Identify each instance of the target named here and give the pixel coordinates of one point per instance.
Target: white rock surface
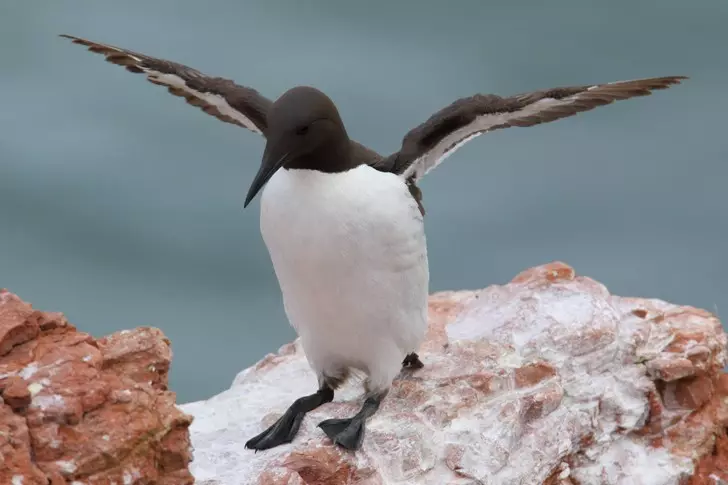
(546, 379)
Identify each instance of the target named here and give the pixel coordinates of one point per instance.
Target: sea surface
(121, 205)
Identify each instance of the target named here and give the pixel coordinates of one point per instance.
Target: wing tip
(620, 90)
(92, 46)
(668, 81)
(74, 39)
(653, 82)
(673, 79)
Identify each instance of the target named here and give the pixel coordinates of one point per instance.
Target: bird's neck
(330, 158)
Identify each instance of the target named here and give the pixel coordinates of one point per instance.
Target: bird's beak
(271, 162)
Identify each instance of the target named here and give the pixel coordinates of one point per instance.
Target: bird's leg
(412, 361)
(349, 432)
(285, 429)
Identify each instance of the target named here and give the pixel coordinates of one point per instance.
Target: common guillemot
(344, 225)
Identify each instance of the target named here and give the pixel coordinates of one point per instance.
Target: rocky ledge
(549, 379)
(80, 411)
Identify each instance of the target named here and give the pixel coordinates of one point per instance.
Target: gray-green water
(122, 206)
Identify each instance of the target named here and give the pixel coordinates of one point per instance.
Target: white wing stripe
(213, 99)
(212, 103)
(480, 125)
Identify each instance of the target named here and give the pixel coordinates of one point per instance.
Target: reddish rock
(547, 273)
(16, 393)
(713, 465)
(532, 374)
(655, 412)
(688, 393)
(541, 403)
(442, 310)
(16, 452)
(640, 313)
(669, 369)
(15, 326)
(325, 466)
(79, 410)
(144, 355)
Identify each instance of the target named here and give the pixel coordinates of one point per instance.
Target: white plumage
(350, 255)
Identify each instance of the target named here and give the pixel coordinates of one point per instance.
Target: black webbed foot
(285, 429)
(412, 361)
(349, 432)
(281, 432)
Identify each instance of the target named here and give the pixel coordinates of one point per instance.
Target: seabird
(344, 225)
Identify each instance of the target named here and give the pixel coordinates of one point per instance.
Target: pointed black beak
(268, 167)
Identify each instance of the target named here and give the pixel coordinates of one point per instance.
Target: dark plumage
(423, 147)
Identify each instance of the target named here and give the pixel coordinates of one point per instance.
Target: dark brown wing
(428, 144)
(221, 98)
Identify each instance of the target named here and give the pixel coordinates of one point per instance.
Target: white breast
(350, 255)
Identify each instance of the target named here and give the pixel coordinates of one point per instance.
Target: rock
(16, 393)
(549, 379)
(17, 324)
(75, 410)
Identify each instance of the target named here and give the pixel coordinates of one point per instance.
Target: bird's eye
(302, 130)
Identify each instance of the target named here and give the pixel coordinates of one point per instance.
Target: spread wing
(216, 96)
(428, 144)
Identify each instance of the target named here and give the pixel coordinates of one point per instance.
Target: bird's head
(304, 131)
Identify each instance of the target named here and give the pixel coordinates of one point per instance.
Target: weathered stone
(81, 411)
(533, 374)
(16, 393)
(15, 326)
(687, 393)
(15, 451)
(548, 379)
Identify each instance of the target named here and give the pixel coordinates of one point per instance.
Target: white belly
(350, 255)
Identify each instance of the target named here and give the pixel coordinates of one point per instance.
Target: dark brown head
(304, 131)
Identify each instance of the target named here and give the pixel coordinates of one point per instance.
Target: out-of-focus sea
(120, 205)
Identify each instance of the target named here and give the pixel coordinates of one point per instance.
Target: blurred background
(121, 206)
